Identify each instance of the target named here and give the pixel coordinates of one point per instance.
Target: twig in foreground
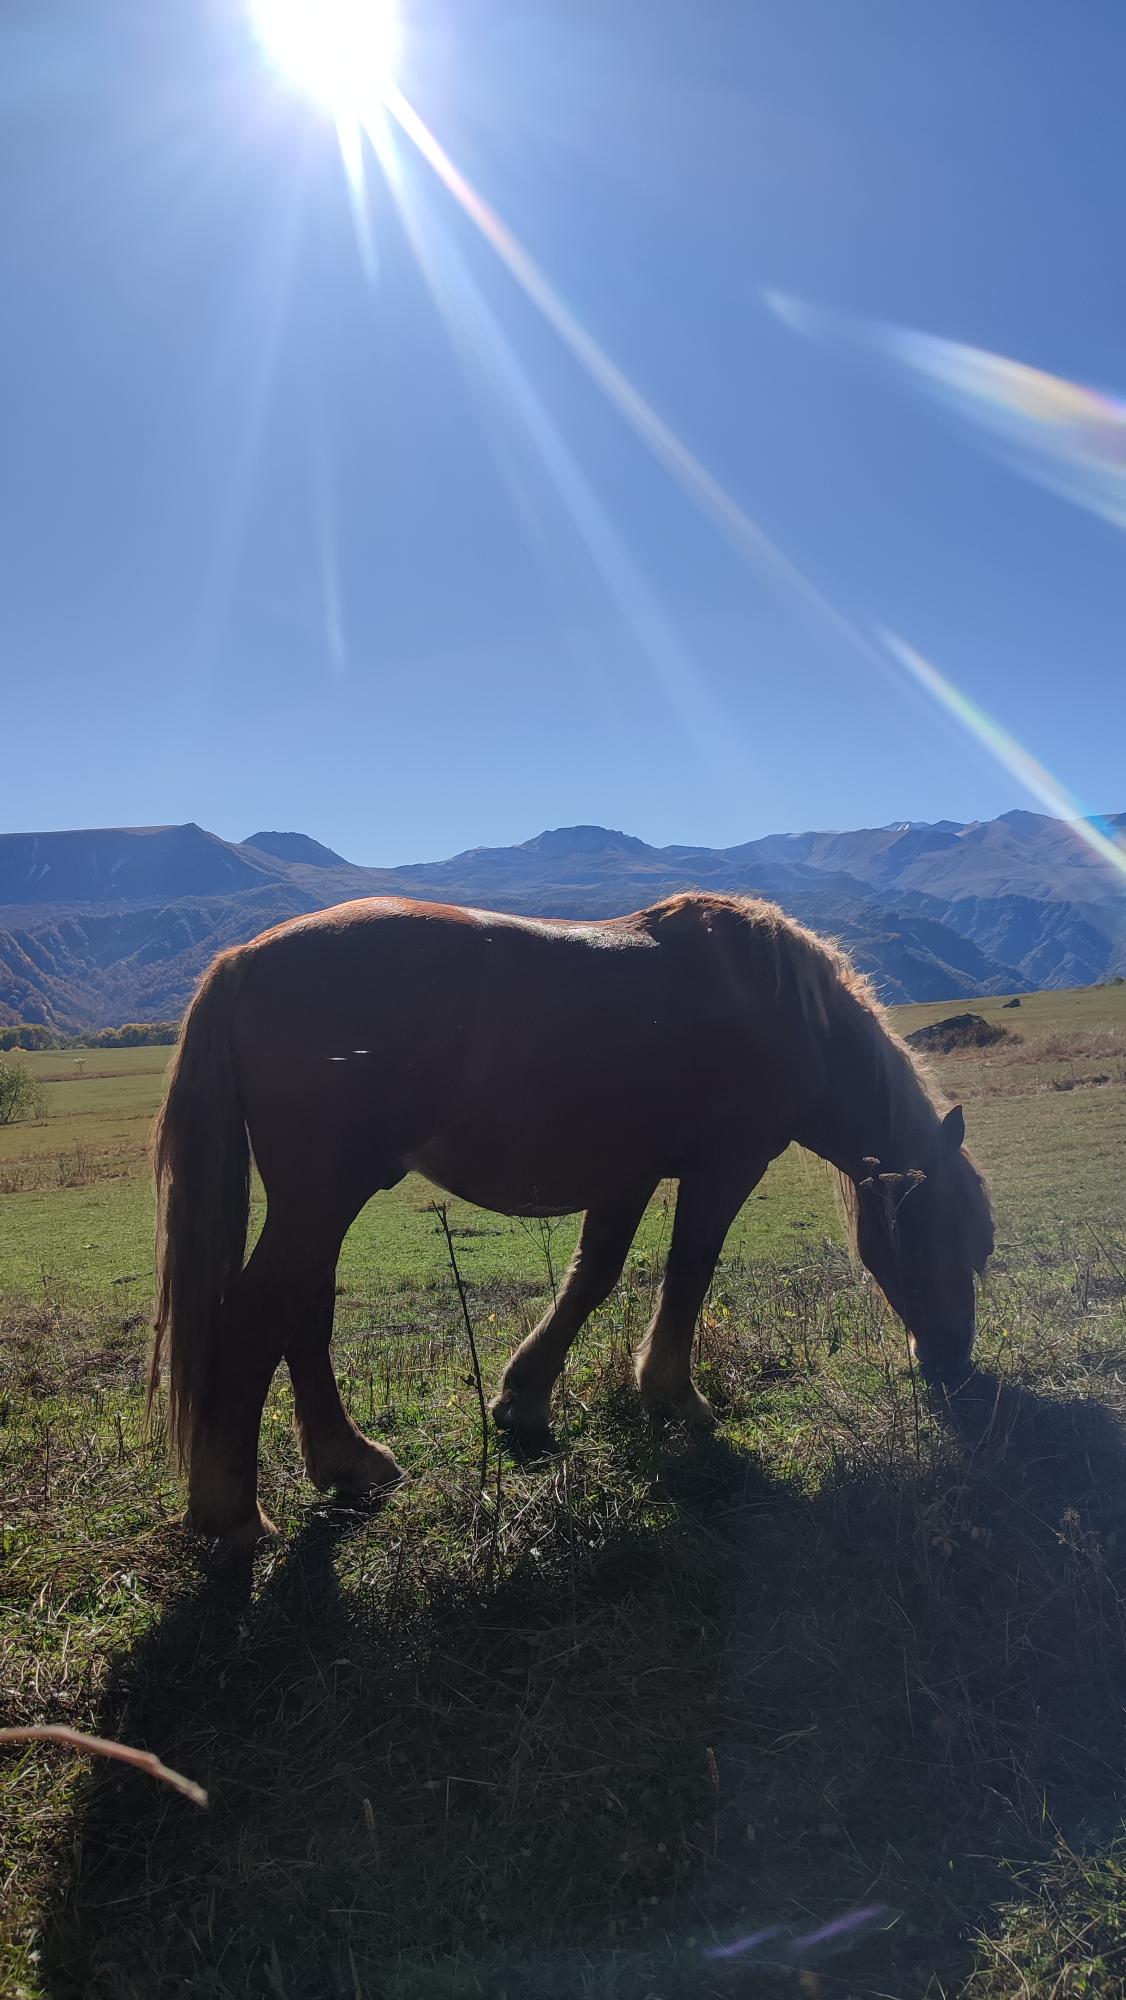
(103, 1746)
(439, 1209)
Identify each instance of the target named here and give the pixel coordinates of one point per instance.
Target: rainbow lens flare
(1067, 437)
(1099, 835)
(1059, 433)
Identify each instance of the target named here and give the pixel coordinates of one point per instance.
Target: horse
(536, 1067)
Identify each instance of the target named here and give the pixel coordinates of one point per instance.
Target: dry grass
(1067, 1939)
(1079, 1045)
(70, 1167)
(829, 1682)
(1060, 1060)
(579, 1732)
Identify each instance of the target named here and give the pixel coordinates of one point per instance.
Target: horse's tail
(201, 1158)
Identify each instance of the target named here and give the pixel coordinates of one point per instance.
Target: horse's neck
(874, 1103)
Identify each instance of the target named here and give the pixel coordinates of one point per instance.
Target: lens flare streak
(790, 1945)
(350, 136)
(748, 539)
(1066, 437)
(1061, 434)
(328, 564)
(474, 328)
(744, 1946)
(1011, 754)
(643, 419)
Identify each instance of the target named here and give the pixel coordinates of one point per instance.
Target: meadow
(832, 1704)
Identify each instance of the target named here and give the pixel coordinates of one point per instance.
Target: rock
(959, 1031)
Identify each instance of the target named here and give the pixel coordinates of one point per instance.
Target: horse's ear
(954, 1129)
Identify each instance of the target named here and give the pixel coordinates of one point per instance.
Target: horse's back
(678, 972)
(497, 1051)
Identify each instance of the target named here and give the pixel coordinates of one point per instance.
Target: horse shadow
(750, 1740)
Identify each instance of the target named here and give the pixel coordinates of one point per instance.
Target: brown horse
(535, 1067)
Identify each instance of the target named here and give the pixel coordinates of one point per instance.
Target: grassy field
(832, 1705)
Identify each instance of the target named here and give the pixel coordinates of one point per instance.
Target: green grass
(79, 1217)
(78, 1213)
(576, 1736)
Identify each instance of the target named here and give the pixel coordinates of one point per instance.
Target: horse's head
(923, 1233)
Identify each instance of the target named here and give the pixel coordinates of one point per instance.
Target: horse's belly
(497, 1171)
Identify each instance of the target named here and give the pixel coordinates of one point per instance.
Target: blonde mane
(827, 992)
(821, 978)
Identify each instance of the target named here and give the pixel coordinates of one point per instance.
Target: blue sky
(285, 544)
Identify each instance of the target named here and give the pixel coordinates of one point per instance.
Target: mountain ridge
(100, 925)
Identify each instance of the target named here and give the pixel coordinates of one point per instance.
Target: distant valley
(113, 924)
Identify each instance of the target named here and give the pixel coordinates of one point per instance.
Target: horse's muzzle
(944, 1364)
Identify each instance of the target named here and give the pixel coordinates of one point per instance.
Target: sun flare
(340, 52)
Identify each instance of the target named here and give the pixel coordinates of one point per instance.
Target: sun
(340, 52)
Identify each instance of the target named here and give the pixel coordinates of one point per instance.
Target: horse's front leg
(707, 1204)
(523, 1403)
(335, 1450)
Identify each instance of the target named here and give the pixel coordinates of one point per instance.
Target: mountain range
(113, 924)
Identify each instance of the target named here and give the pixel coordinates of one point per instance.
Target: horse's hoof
(233, 1538)
(370, 1492)
(366, 1471)
(528, 1434)
(518, 1419)
(687, 1407)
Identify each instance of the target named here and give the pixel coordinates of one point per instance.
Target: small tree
(21, 1095)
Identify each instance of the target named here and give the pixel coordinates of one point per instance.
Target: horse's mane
(817, 976)
(826, 991)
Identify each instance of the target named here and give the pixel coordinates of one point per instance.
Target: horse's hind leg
(281, 1303)
(706, 1207)
(523, 1404)
(223, 1475)
(335, 1451)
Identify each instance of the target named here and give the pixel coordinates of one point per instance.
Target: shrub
(21, 1095)
(131, 1035)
